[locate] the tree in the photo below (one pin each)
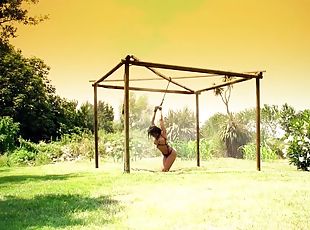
(25, 94)
(235, 135)
(105, 116)
(270, 119)
(86, 116)
(139, 112)
(65, 115)
(225, 94)
(12, 12)
(213, 125)
(287, 114)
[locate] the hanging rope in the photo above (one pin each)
(162, 101)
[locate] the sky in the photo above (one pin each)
(83, 40)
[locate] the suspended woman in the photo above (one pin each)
(160, 140)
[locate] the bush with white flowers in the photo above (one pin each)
(298, 140)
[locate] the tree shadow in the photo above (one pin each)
(26, 178)
(57, 211)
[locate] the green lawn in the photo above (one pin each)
(222, 194)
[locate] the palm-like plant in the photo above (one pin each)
(233, 133)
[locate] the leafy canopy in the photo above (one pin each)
(12, 12)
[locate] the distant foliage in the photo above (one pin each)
(85, 117)
(140, 113)
(181, 125)
(213, 125)
(273, 128)
(113, 146)
(139, 146)
(105, 116)
(69, 148)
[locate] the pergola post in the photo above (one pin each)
(126, 116)
(197, 130)
(258, 156)
(96, 126)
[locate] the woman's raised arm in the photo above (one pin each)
(154, 115)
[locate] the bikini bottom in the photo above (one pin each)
(169, 152)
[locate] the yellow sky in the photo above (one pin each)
(82, 40)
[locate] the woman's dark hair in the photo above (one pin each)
(154, 131)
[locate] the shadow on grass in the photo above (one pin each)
(191, 170)
(205, 170)
(145, 170)
(27, 178)
(57, 211)
(4, 169)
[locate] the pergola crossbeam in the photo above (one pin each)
(110, 72)
(222, 85)
(193, 69)
(163, 76)
(173, 78)
(145, 89)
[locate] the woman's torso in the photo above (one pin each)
(162, 145)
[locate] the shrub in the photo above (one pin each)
(188, 150)
(4, 160)
(77, 146)
(48, 152)
(87, 148)
(27, 145)
(298, 152)
(298, 140)
(44, 152)
(8, 134)
(71, 147)
(185, 150)
(42, 159)
(141, 146)
(114, 146)
(21, 156)
(207, 149)
(267, 153)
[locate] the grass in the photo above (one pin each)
(222, 194)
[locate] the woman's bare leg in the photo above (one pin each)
(168, 161)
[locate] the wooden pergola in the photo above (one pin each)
(130, 60)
